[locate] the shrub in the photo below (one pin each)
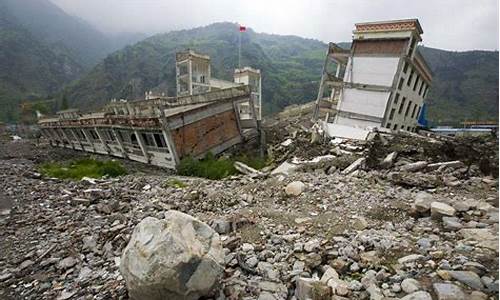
(209, 167)
(83, 168)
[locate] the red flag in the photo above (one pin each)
(243, 28)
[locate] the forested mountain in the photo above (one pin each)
(42, 48)
(33, 66)
(290, 65)
(465, 83)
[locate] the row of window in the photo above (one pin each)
(402, 127)
(414, 112)
(422, 90)
(152, 140)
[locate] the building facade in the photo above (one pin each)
(193, 76)
(383, 80)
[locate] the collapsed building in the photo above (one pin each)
(381, 81)
(207, 115)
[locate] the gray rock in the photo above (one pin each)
(266, 296)
(409, 258)
(311, 245)
(246, 247)
(477, 295)
(309, 288)
(423, 202)
(452, 223)
(67, 263)
(410, 285)
(295, 188)
(467, 277)
(221, 226)
(420, 295)
(440, 209)
(178, 257)
(448, 291)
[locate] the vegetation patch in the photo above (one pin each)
(175, 183)
(216, 168)
(80, 168)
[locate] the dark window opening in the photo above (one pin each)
(413, 112)
(405, 68)
(396, 98)
(408, 109)
(160, 141)
(391, 115)
(402, 105)
(410, 78)
(401, 81)
(421, 87)
(415, 84)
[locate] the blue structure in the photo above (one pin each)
(422, 121)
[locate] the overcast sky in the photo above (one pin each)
(447, 24)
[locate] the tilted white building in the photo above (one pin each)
(381, 81)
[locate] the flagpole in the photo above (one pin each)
(239, 50)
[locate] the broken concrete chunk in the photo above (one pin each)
(389, 160)
(413, 167)
(285, 168)
(354, 166)
(309, 288)
(449, 164)
(247, 170)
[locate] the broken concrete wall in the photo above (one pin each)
(204, 135)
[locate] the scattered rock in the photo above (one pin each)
(177, 257)
(295, 188)
(448, 291)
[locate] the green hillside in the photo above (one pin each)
(42, 48)
(28, 68)
(465, 85)
(33, 67)
(290, 65)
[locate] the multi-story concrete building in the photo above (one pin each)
(193, 76)
(207, 115)
(381, 81)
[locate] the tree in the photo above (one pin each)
(64, 103)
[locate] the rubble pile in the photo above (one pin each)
(363, 222)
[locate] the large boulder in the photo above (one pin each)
(178, 257)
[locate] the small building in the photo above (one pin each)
(194, 76)
(381, 81)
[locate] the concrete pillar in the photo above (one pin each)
(120, 142)
(77, 139)
(102, 140)
(142, 145)
(88, 138)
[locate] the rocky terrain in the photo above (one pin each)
(398, 217)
